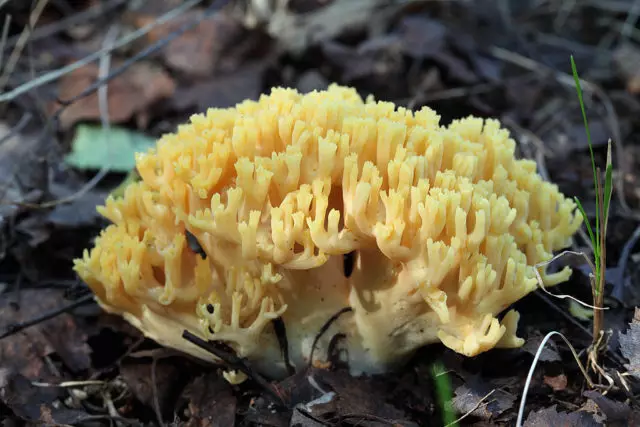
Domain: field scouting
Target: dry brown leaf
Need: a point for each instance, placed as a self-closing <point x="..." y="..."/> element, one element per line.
<point x="24" y="351"/>
<point x="197" y="52"/>
<point x="550" y="417"/>
<point x="630" y="345"/>
<point x="557" y="383"/>
<point x="211" y="402"/>
<point x="129" y="94"/>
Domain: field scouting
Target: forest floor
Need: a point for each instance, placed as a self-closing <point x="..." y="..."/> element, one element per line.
<point x="63" y="361"/>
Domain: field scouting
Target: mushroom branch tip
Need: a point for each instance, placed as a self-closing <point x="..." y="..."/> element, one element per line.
<point x="244" y="215"/>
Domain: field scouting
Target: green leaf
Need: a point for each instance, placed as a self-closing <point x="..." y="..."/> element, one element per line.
<point x="94" y="147"/>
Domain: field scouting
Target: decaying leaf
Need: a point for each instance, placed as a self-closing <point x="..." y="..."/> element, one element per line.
<point x="36" y="404"/>
<point x="478" y="397"/>
<point x="617" y="414"/>
<point x="225" y="90"/>
<point x="549" y="352"/>
<point x="296" y="31"/>
<point x="211" y="402"/>
<point x="550" y="417"/>
<point x="79" y="212"/>
<point x="24" y="351"/>
<point x="630" y="345"/>
<point x="130" y="94"/>
<point x="199" y="51"/>
<point x="137" y="375"/>
<point x="557" y="383"/>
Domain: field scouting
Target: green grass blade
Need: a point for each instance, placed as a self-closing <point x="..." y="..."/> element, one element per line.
<point x="576" y="78"/>
<point x="589" y="229"/>
<point x="444" y="394"/>
<point x="608" y="187"/>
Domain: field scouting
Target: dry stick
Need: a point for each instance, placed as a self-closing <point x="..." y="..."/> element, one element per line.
<point x="234" y="362"/>
<point x="281" y="334"/>
<point x="154" y="391"/>
<point x="631" y="21"/>
<point x="3" y="38"/>
<point x="54" y="75"/>
<point x="14" y="328"/>
<point x="24" y="37"/>
<point x="324" y="329"/>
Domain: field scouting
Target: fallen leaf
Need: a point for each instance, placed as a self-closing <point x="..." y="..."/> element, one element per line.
<point x="138" y="377"/>
<point x="296" y="31"/>
<point x="24" y="351"/>
<point x="23" y="176"/>
<point x="379" y="58"/>
<point x="36" y="404"/>
<point x="225" y="90"/>
<point x="550" y="417"/>
<point x="548" y="354"/>
<point x="211" y="402"/>
<point x="357" y="395"/>
<point x="199" y="51"/>
<point x="557" y="383"/>
<point x="468" y="398"/>
<point x="129" y="94"/>
<point x="630" y="345"/>
<point x="421" y="37"/>
<point x="618" y="414"/>
<point x="94" y="147"/>
<point x="34" y="229"/>
<point x="80" y="212"/>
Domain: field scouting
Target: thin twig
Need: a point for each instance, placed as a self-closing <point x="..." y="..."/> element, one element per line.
<point x="24" y="37"/>
<point x="22" y="123"/>
<point x="3" y="38"/>
<point x="13" y="329"/>
<point x="154" y="391"/>
<point x="99" y="83"/>
<point x="281" y="334"/>
<point x="324" y="329"/>
<point x="56" y="74"/>
<point x="469" y="412"/>
<point x="234" y="362"/>
<point x="103" y="107"/>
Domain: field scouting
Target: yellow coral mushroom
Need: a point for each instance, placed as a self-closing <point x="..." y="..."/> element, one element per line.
<point x="444" y="223"/>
